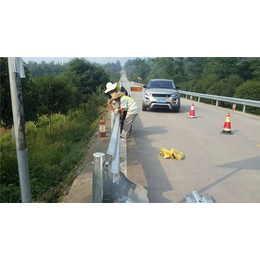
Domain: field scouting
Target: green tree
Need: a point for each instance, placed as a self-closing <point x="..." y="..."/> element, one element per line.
<point x="179" y="70"/>
<point x="5" y="96"/>
<point x="243" y="69"/>
<point x="130" y="69"/>
<point x="162" y="68"/>
<point x="86" y="77"/>
<point x="168" y="68"/>
<point x="195" y="67"/>
<point x="54" y="96"/>
<point x="249" y="90"/>
<point x="223" y="67"/>
<point x="255" y="67"/>
<point x="137" y="68"/>
<point x="44" y="68"/>
<point x="204" y="85"/>
<point x="113" y="70"/>
<point x="142" y="68"/>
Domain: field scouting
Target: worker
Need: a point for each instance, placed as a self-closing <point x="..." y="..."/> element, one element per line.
<point x="111" y="88"/>
<point x="114" y="88"/>
<point x="129" y="105"/>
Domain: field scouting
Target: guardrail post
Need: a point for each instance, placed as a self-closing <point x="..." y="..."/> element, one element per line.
<point x="97" y="187"/>
<point x="244" y="109"/>
<point x="199" y="99"/>
<point x="217" y="103"/>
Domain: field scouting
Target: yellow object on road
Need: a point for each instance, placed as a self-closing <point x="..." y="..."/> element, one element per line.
<point x="172" y="154"/>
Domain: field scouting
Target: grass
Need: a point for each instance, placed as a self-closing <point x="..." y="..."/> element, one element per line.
<point x="52" y="160"/>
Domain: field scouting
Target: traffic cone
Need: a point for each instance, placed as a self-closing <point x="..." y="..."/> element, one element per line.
<point x="192" y="111"/>
<point x="227" y="125"/>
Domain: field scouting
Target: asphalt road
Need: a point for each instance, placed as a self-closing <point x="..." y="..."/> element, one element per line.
<point x="227" y="167"/>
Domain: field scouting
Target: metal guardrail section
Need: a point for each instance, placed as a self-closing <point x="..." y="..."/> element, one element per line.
<point x="194" y="197"/>
<point x="240" y="101"/>
<point x="109" y="184"/>
<point x="245" y="102"/>
<point x="114" y="149"/>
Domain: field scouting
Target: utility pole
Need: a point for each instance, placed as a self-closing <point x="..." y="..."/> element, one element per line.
<point x="16" y="71"/>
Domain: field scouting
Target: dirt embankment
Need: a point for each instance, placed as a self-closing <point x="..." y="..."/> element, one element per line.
<point x="81" y="189"/>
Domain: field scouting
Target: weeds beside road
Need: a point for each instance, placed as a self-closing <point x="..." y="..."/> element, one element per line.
<point x="52" y="160"/>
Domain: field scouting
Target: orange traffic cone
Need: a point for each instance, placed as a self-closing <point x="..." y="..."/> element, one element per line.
<point x="227" y="125"/>
<point x="192" y="111"/>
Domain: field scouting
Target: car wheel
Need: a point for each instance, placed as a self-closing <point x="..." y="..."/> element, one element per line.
<point x="176" y="109"/>
<point x="144" y="107"/>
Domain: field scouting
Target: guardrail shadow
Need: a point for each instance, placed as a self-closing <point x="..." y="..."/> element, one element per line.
<point x="143" y="153"/>
<point x="247" y="164"/>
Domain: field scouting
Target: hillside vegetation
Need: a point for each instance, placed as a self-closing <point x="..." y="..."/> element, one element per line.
<point x="223" y="76"/>
<point x="63" y="105"/>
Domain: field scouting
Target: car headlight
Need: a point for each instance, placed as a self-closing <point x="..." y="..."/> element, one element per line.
<point x="147" y="94"/>
<point x="174" y="95"/>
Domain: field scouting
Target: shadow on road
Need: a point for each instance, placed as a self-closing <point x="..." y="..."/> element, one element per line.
<point x="247" y="164"/>
<point x="142" y="152"/>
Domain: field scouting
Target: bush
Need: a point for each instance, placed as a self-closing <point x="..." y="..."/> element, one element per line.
<point x="249" y="90"/>
<point x="52" y="160"/>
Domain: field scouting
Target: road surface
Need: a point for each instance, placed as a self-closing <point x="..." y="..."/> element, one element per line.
<point x="227" y="167"/>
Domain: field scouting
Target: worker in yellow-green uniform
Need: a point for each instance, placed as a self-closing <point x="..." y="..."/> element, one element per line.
<point x="114" y="88"/>
<point x="129" y="105"/>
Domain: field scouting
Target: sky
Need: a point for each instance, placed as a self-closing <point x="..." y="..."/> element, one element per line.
<point x="101" y="60"/>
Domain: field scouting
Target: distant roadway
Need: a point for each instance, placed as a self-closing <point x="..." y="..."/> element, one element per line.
<point x="227" y="167"/>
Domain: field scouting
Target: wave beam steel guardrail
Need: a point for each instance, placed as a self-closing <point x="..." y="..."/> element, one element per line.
<point x="244" y="102"/>
<point x="109" y="183"/>
<point x="240" y="101"/>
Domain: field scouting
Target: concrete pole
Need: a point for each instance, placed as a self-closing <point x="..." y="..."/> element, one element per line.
<point x="19" y="130"/>
<point x="97" y="187"/>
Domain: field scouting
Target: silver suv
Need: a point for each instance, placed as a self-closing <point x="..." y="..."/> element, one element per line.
<point x="161" y="93"/>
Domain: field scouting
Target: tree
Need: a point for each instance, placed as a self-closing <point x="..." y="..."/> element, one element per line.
<point x="255" y="67"/>
<point x="195" y="67"/>
<point x="162" y="68"/>
<point x="223" y="67"/>
<point x="137" y="68"/>
<point x="54" y="96"/>
<point x="168" y="68"/>
<point x="86" y="77"/>
<point x="179" y="70"/>
<point x="130" y="69"/>
<point x="113" y="70"/>
<point x="5" y="94"/>
<point x="249" y="90"/>
<point x="44" y="68"/>
<point x="142" y="68"/>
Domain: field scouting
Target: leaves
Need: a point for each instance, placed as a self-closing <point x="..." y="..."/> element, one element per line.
<point x="212" y="75"/>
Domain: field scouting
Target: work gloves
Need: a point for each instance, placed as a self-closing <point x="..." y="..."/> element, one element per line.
<point x="115" y="111"/>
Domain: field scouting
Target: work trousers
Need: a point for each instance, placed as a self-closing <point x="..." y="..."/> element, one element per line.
<point x="127" y="125"/>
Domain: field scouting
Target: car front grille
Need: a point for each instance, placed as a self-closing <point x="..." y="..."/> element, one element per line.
<point x="161" y="95"/>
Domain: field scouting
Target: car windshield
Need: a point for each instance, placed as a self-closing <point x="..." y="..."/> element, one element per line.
<point x="161" y="84"/>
